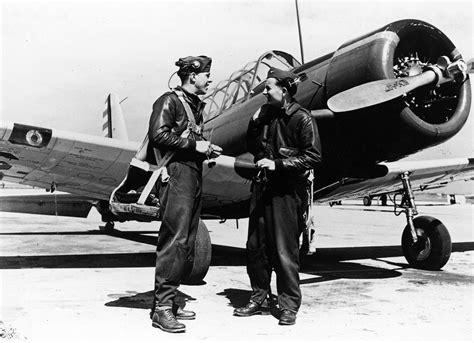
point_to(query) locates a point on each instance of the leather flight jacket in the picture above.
(167, 123)
(289, 137)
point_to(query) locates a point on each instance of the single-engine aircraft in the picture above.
(376, 99)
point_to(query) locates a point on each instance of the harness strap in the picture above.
(161, 161)
(192, 126)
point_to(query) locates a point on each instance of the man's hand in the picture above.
(265, 163)
(202, 146)
(205, 147)
(215, 151)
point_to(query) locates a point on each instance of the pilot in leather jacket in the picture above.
(168, 121)
(284, 139)
(289, 137)
(174, 113)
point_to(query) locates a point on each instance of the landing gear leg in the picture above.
(408, 202)
(426, 242)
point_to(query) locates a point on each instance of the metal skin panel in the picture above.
(81, 164)
(92, 167)
(229, 129)
(223, 186)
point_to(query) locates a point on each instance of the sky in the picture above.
(60, 59)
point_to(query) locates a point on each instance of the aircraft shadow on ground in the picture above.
(329, 264)
(325, 259)
(144, 300)
(237, 298)
(138, 236)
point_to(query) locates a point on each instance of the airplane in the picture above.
(362, 141)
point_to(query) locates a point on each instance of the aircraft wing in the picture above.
(80, 164)
(458, 186)
(386, 178)
(59, 204)
(92, 166)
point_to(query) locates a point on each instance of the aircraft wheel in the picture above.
(202, 256)
(367, 201)
(433, 249)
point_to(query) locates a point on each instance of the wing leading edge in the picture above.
(422, 175)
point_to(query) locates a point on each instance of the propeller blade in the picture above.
(377, 92)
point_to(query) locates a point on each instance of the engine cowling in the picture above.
(425, 117)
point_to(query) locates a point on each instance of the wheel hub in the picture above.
(423, 246)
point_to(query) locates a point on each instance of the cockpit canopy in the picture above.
(241, 84)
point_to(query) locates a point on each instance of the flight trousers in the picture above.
(275, 223)
(181, 204)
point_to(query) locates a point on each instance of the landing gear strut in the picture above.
(426, 242)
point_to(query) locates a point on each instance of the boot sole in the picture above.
(156, 325)
(179, 318)
(263, 313)
(186, 318)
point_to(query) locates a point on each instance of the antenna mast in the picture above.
(299, 31)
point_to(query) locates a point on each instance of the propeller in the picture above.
(380, 91)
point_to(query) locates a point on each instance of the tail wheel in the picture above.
(433, 248)
(202, 256)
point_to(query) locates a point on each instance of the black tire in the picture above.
(433, 249)
(202, 256)
(367, 201)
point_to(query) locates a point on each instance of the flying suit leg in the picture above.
(181, 201)
(285, 213)
(258, 267)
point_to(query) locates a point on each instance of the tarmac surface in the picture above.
(63, 280)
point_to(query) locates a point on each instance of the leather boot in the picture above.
(251, 309)
(166, 321)
(182, 314)
(287, 318)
